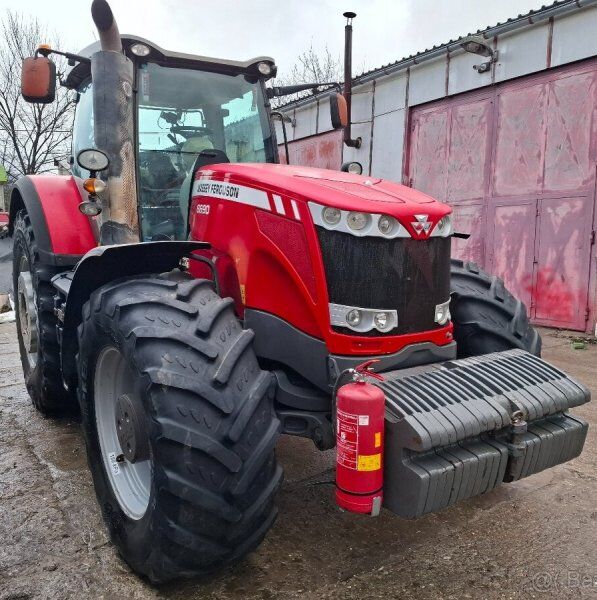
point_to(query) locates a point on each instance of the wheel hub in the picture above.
(132, 438)
(123, 438)
(27, 312)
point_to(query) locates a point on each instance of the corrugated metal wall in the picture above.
(513, 150)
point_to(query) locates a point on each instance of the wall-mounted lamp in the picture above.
(475, 44)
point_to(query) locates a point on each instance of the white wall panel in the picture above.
(388, 145)
(390, 93)
(361, 154)
(574, 37)
(306, 120)
(361, 102)
(427, 81)
(325, 121)
(522, 52)
(463, 77)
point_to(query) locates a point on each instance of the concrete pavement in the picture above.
(531, 539)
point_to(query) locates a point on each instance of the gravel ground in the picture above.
(531, 539)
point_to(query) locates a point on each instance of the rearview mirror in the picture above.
(38, 80)
(338, 110)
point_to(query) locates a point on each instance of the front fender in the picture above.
(62, 233)
(102, 265)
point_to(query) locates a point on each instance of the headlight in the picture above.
(357, 220)
(91, 209)
(353, 317)
(444, 226)
(140, 49)
(363, 319)
(331, 215)
(442, 313)
(264, 68)
(386, 224)
(355, 168)
(381, 320)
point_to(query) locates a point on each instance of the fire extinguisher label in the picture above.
(371, 462)
(347, 440)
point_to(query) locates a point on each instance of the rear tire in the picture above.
(206, 409)
(36, 323)
(486, 316)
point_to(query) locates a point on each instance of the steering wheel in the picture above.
(188, 131)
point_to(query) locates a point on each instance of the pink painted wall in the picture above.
(517, 161)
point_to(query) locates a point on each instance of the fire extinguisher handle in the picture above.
(366, 369)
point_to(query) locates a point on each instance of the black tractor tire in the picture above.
(41, 368)
(208, 412)
(486, 316)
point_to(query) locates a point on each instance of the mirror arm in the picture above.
(72, 58)
(285, 90)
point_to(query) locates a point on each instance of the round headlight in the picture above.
(92, 160)
(381, 320)
(91, 209)
(353, 317)
(140, 50)
(331, 215)
(357, 220)
(264, 68)
(386, 224)
(356, 168)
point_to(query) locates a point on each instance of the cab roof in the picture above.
(82, 71)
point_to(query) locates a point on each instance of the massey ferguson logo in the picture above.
(421, 226)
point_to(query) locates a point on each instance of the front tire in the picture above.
(167, 366)
(486, 316)
(36, 323)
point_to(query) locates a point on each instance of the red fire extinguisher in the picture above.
(360, 408)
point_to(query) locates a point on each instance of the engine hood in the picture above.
(345, 191)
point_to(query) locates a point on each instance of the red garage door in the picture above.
(517, 163)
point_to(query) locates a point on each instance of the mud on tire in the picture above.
(486, 316)
(208, 409)
(42, 372)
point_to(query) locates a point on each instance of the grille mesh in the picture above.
(406, 275)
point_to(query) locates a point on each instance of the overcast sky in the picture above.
(384, 30)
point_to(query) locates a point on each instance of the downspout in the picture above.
(112, 77)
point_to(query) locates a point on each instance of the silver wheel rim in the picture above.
(27, 313)
(130, 481)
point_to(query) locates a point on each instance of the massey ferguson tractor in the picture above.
(196, 299)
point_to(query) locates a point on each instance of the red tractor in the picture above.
(196, 299)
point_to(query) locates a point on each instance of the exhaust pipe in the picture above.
(356, 143)
(109, 36)
(112, 77)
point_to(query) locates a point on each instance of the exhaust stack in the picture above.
(112, 77)
(348, 80)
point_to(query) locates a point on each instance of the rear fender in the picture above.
(62, 233)
(102, 265)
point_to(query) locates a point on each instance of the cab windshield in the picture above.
(185, 118)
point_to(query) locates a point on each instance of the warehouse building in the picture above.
(506, 134)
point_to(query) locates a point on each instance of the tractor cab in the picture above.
(189, 112)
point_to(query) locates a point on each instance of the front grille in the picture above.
(403, 274)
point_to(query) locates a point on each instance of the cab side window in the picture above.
(83, 126)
